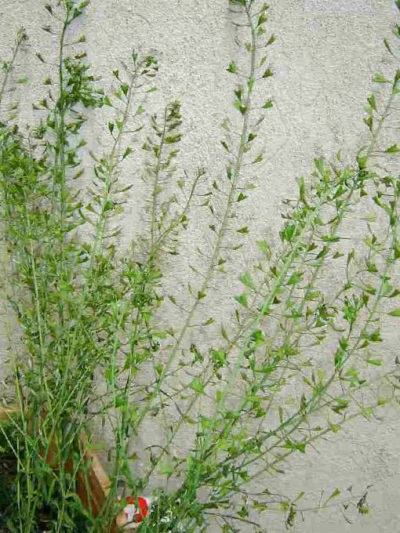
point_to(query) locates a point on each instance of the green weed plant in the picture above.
(96, 353)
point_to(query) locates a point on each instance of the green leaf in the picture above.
(380, 78)
(173, 139)
(268, 104)
(388, 47)
(258, 159)
(250, 84)
(369, 122)
(334, 427)
(320, 165)
(242, 299)
(240, 107)
(300, 446)
(224, 334)
(372, 102)
(271, 40)
(232, 67)
(264, 247)
(127, 152)
(262, 18)
(197, 385)
(295, 278)
(288, 232)
(224, 144)
(396, 312)
(268, 73)
(394, 149)
(246, 280)
(243, 230)
(166, 469)
(362, 160)
(374, 362)
(334, 494)
(225, 124)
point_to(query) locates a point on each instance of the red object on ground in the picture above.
(141, 504)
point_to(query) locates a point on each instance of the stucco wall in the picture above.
(326, 53)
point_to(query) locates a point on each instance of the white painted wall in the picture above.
(326, 53)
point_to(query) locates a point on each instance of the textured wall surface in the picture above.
(324, 58)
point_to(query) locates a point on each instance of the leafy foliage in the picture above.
(304, 346)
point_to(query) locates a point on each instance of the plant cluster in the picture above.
(302, 355)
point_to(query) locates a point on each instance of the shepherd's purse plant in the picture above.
(300, 353)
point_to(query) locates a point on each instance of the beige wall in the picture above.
(326, 53)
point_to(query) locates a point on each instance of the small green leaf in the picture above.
(334, 494)
(197, 385)
(374, 362)
(242, 299)
(167, 469)
(388, 47)
(262, 18)
(295, 278)
(334, 428)
(369, 122)
(320, 165)
(246, 280)
(268, 73)
(232, 67)
(265, 248)
(271, 40)
(268, 104)
(224, 334)
(288, 232)
(396, 312)
(243, 230)
(362, 160)
(394, 149)
(224, 144)
(380, 78)
(173, 139)
(127, 152)
(372, 102)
